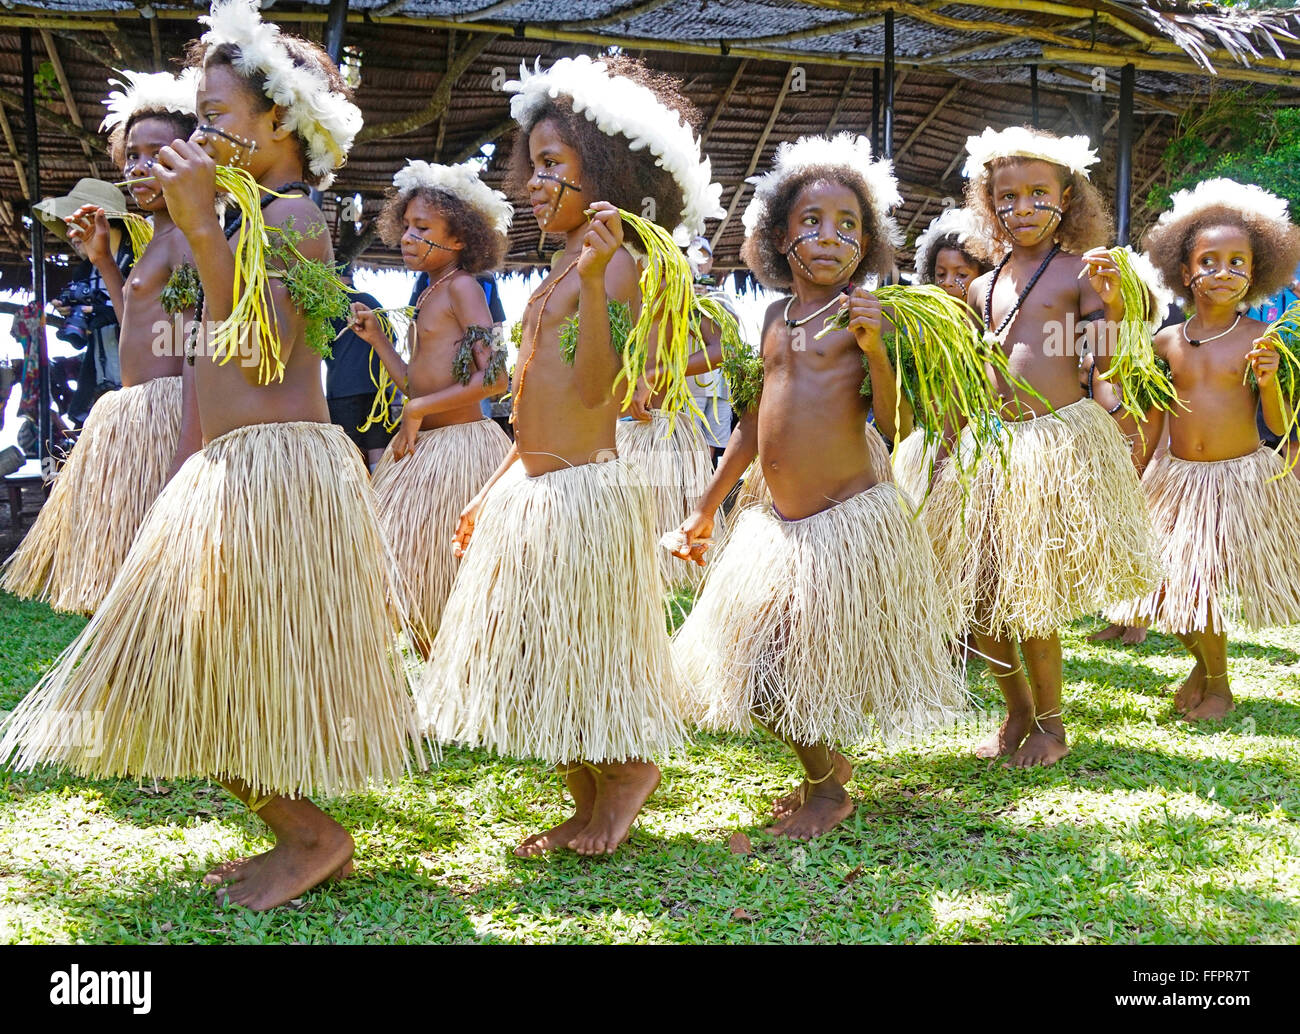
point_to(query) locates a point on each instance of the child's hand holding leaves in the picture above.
(604, 237)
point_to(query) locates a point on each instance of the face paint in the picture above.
(239, 143)
(1005, 213)
(559, 197)
(793, 250)
(1245, 279)
(429, 245)
(812, 235)
(852, 260)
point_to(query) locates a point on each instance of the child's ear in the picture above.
(1187, 274)
(783, 242)
(1067, 195)
(279, 130)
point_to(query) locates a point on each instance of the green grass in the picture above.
(1150, 831)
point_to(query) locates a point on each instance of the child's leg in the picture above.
(582, 785)
(793, 801)
(824, 804)
(1193, 688)
(1045, 744)
(622, 788)
(310, 847)
(1217, 699)
(1003, 657)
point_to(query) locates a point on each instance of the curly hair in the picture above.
(1274, 248)
(953, 242)
(1086, 224)
(305, 54)
(485, 249)
(611, 170)
(183, 127)
(762, 248)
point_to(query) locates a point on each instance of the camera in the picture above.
(79, 326)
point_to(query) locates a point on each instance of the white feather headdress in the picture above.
(1072, 152)
(620, 106)
(1160, 291)
(461, 181)
(951, 221)
(843, 150)
(149, 91)
(323, 117)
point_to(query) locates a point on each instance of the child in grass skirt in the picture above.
(131, 443)
(250, 634)
(823, 619)
(553, 642)
(1223, 505)
(450, 225)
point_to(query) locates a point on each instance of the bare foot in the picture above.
(1004, 742)
(582, 785)
(1133, 635)
(1045, 745)
(291, 868)
(621, 791)
(226, 871)
(792, 801)
(1111, 631)
(1190, 692)
(827, 805)
(1211, 706)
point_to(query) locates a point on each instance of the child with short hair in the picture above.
(1222, 504)
(1056, 528)
(132, 441)
(553, 642)
(249, 636)
(823, 619)
(450, 225)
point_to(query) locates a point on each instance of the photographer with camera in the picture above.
(87, 302)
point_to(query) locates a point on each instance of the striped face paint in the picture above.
(1244, 277)
(559, 196)
(812, 235)
(1005, 213)
(429, 245)
(244, 147)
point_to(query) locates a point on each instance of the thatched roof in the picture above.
(761, 71)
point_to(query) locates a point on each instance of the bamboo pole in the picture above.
(1159, 64)
(10, 143)
(724, 101)
(1124, 158)
(69, 101)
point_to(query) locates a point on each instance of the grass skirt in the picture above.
(914, 465)
(553, 644)
(754, 490)
(250, 634)
(1061, 532)
(1226, 531)
(419, 500)
(828, 628)
(72, 553)
(677, 467)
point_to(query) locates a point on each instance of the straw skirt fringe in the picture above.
(832, 628)
(249, 636)
(1061, 532)
(1226, 532)
(754, 490)
(419, 500)
(677, 466)
(73, 551)
(553, 643)
(914, 464)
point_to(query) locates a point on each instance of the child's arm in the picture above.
(366, 326)
(89, 225)
(596, 364)
(1264, 359)
(470, 309)
(866, 319)
(190, 440)
(469, 515)
(1101, 292)
(741, 449)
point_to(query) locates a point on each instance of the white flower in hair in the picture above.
(620, 106)
(1073, 152)
(1226, 193)
(958, 221)
(323, 117)
(843, 150)
(149, 91)
(460, 181)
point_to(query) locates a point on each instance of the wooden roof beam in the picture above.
(13, 154)
(753, 159)
(1153, 102)
(724, 101)
(930, 116)
(69, 101)
(1161, 64)
(839, 104)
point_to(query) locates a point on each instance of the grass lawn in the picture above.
(1150, 831)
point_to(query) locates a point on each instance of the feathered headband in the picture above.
(958, 222)
(1160, 292)
(149, 92)
(323, 117)
(460, 181)
(1071, 152)
(620, 106)
(843, 150)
